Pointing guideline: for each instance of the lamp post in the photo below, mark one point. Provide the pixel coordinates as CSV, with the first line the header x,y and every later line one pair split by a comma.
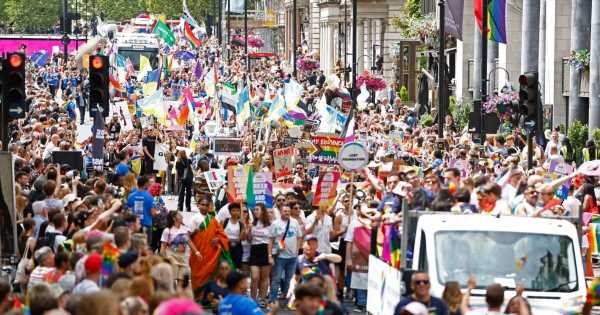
x,y
246,36
484,40
228,33
441,72
294,35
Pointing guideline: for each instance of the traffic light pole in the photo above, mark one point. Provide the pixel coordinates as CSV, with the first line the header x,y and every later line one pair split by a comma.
x,y
484,42
441,72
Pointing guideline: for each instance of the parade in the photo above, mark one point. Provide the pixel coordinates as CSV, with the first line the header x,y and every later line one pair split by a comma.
x,y
160,162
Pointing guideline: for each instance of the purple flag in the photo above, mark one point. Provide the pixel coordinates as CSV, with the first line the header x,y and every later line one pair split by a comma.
x,y
454,18
198,70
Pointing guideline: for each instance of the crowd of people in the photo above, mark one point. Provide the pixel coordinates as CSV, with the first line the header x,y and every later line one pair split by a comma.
x,y
106,239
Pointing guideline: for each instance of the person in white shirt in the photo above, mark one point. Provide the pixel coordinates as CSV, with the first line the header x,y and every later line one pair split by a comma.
x,y
286,239
44,259
509,191
319,223
93,266
494,297
51,146
528,206
260,254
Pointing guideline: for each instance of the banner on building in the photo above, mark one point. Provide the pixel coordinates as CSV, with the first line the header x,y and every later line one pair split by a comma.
x,y
325,149
326,189
284,162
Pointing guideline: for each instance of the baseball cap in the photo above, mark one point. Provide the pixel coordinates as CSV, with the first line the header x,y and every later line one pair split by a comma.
x,y
310,237
93,263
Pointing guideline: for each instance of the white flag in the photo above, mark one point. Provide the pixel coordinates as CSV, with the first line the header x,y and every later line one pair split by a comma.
x,y
160,161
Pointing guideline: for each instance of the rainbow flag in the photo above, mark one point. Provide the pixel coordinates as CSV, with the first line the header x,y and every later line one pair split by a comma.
x,y
109,260
391,246
496,24
190,36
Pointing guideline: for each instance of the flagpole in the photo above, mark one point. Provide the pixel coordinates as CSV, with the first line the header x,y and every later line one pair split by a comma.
x,y
484,52
246,36
228,33
442,71
294,30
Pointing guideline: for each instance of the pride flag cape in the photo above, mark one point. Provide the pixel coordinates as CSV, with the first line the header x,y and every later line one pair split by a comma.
x,y
203,269
496,27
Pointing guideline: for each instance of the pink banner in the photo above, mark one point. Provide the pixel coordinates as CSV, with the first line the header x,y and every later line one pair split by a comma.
x,y
34,45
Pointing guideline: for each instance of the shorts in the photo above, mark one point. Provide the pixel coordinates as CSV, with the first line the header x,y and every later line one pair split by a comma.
x,y
259,255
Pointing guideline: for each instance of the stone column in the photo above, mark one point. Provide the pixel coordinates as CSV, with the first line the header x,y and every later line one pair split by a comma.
x,y
491,65
332,48
367,46
580,39
476,75
321,46
542,52
530,32
360,48
595,68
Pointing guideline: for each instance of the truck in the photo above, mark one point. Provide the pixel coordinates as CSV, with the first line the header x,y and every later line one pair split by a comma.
x,y
542,255
134,45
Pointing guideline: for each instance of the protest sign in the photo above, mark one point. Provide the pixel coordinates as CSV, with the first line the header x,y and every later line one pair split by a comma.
x,y
160,161
326,189
215,178
284,162
326,149
237,181
262,190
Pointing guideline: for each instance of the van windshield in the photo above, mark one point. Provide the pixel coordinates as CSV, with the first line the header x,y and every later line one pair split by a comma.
x,y
539,262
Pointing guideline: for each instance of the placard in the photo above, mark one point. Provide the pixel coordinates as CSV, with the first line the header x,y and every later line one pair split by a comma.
x,y
284,162
353,156
385,287
326,189
227,145
72,158
262,190
237,181
326,149
215,178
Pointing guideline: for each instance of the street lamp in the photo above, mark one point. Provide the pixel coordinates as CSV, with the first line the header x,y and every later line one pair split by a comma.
x,y
373,67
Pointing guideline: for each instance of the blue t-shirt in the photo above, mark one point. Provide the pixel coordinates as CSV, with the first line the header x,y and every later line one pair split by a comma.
x,y
141,203
235,304
435,306
391,203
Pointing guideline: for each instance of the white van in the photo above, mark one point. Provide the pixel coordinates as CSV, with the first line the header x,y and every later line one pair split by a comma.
x,y
541,254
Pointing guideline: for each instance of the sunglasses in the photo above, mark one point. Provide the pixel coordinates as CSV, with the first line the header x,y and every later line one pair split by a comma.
x,y
280,200
203,204
421,282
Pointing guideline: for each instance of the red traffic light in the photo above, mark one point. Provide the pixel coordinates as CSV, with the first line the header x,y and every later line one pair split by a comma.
x,y
15,61
97,62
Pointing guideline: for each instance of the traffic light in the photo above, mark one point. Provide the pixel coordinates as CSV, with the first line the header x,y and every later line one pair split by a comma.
x,y
99,95
13,86
529,98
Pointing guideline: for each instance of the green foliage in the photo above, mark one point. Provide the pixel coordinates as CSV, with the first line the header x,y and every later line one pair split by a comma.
x,y
578,135
562,129
596,135
426,120
413,8
38,16
423,62
31,16
404,94
460,112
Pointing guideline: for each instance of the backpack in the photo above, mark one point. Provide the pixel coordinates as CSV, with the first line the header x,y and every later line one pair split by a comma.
x,y
47,240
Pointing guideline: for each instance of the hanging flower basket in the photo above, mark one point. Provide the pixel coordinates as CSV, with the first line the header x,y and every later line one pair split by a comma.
x,y
237,40
502,103
580,59
370,81
255,42
306,64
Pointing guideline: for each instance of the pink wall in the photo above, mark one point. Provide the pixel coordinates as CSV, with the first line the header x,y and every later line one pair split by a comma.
x,y
35,45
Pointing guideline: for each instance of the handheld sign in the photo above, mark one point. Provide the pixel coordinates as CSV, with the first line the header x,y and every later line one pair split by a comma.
x,y
227,145
353,156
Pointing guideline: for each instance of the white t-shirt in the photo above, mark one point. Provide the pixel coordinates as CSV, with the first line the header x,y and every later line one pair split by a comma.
x,y
572,205
321,230
260,234
170,234
233,230
291,239
349,236
508,192
195,222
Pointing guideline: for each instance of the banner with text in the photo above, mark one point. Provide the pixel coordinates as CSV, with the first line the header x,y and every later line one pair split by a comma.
x,y
325,149
284,162
326,189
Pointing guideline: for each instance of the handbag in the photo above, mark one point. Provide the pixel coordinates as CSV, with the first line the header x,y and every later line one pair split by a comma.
x,y
24,266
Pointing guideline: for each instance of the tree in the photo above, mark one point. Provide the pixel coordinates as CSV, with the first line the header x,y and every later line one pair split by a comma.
x,y
118,10
32,16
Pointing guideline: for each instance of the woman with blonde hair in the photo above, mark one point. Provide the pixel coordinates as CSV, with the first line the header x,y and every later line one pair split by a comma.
x,y
452,296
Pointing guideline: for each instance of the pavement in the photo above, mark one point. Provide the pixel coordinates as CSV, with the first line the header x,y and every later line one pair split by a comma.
x,y
171,204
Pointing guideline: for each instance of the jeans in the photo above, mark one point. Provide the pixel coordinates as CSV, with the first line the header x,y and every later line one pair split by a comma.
x,y
361,297
185,193
287,265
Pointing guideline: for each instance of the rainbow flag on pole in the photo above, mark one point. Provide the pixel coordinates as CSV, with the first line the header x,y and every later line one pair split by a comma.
x,y
190,36
496,24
